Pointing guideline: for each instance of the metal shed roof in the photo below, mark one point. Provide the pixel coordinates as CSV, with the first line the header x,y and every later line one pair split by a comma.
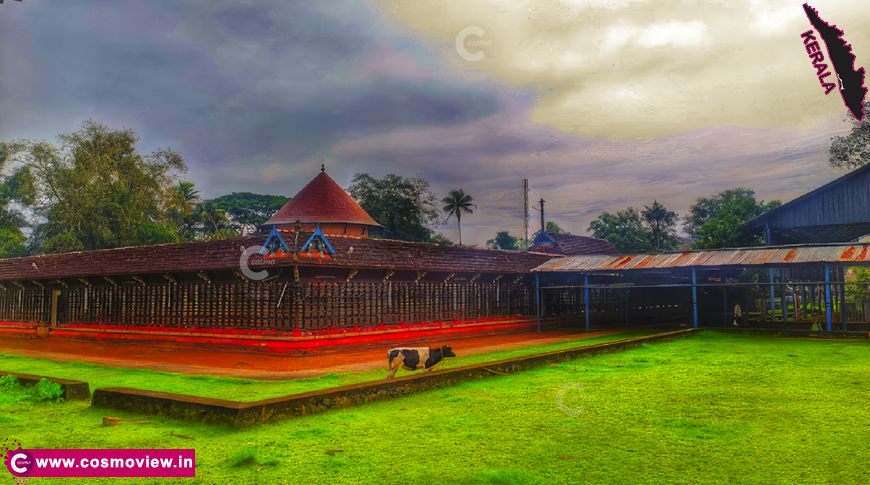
x,y
779,256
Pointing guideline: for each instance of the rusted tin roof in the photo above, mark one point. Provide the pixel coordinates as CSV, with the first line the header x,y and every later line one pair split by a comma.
x,y
782,256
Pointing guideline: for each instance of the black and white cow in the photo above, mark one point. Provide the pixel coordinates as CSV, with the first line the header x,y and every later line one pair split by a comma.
x,y
416,358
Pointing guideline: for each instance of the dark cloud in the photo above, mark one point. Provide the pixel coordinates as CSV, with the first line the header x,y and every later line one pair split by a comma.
x,y
254,95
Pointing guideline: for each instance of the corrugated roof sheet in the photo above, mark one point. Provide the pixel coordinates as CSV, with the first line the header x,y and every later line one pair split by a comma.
x,y
720,257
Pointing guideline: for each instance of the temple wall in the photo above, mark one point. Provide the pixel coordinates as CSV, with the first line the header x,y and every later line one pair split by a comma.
x,y
262,306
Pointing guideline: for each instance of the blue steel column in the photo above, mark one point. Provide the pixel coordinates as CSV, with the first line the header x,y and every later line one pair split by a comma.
x,y
695,297
828,294
586,298
772,298
538,297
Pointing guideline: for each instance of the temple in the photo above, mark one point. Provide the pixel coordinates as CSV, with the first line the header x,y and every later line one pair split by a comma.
x,y
318,270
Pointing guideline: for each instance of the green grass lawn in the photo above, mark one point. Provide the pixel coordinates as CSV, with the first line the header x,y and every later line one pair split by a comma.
x,y
98,376
709,409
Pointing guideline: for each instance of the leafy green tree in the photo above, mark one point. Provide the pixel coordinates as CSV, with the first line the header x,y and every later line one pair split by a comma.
x,y
94,188
12,242
858,291
662,223
553,228
705,208
625,230
404,206
503,240
853,150
457,202
12,239
247,211
441,240
725,229
148,233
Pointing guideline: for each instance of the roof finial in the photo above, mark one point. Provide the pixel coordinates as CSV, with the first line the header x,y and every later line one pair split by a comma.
x,y
322,168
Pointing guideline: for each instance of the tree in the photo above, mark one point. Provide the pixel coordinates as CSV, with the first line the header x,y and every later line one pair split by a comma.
x,y
212,221
457,202
726,229
12,239
853,150
181,212
625,230
662,223
553,228
94,188
441,240
705,208
503,240
247,211
404,206
858,291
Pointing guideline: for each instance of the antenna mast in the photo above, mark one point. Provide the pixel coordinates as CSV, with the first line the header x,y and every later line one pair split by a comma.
x,y
526,212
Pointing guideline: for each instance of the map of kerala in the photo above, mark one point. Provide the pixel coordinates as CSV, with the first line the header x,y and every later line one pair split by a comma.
x,y
843,61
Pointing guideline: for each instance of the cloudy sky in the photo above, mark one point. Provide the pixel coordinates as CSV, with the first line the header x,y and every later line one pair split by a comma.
x,y
601,104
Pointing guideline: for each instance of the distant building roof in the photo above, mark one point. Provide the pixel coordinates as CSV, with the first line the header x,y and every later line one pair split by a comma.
x,y
225,254
322,200
567,244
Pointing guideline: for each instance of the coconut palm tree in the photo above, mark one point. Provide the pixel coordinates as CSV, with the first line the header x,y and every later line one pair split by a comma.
x,y
188,196
456,203
660,220
211,217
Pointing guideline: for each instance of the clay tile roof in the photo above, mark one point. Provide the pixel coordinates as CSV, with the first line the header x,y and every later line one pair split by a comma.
x,y
224,254
322,200
568,244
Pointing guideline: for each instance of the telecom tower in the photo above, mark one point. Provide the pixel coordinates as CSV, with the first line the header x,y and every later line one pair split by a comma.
x,y
526,213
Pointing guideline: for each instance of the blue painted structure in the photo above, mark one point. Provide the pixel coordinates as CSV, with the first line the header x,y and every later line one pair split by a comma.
x,y
318,235
273,239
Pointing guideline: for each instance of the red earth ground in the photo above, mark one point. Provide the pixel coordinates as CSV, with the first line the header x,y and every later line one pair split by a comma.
x,y
236,362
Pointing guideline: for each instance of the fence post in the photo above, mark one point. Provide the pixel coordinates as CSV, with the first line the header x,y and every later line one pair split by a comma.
x,y
828,294
772,298
538,297
586,298
695,296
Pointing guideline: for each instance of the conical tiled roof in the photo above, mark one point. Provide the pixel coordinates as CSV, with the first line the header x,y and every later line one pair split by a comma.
x,y
322,200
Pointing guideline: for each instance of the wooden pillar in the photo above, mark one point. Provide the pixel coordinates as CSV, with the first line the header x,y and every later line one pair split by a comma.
x,y
772,298
782,300
586,298
803,301
828,295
